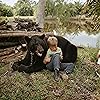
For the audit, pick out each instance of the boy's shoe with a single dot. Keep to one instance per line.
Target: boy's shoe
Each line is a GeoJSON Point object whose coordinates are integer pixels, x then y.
{"type": "Point", "coordinates": [63, 76]}
{"type": "Point", "coordinates": [56, 75]}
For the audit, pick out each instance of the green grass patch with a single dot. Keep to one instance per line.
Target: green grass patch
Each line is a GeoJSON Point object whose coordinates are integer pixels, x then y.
{"type": "Point", "coordinates": [82, 84]}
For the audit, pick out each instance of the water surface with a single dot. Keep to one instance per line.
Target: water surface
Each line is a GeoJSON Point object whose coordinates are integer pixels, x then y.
{"type": "Point", "coordinates": [84, 39]}
{"type": "Point", "coordinates": [81, 33]}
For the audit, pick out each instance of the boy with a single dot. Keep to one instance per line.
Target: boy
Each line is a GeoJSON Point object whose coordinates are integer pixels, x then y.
{"type": "Point", "coordinates": [53, 56]}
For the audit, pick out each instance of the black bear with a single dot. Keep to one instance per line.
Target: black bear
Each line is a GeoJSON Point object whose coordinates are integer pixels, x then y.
{"type": "Point", "coordinates": [37, 48]}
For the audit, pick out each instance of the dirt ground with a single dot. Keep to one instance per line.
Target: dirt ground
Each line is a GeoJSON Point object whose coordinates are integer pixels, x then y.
{"type": "Point", "coordinates": [82, 84]}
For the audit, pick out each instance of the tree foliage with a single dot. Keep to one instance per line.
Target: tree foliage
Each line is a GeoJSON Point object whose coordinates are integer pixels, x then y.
{"type": "Point", "coordinates": [50, 8]}
{"type": "Point", "coordinates": [62, 9]}
{"type": "Point", "coordinates": [24, 8]}
{"type": "Point", "coordinates": [5, 10]}
{"type": "Point", "coordinates": [91, 7]}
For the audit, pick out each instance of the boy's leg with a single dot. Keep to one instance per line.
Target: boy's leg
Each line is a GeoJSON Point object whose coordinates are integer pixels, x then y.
{"type": "Point", "coordinates": [56, 65]}
{"type": "Point", "coordinates": [56, 61]}
{"type": "Point", "coordinates": [50, 65]}
{"type": "Point", "coordinates": [67, 67]}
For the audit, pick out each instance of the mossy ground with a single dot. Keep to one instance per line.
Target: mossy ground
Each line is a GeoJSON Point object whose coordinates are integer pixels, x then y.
{"type": "Point", "coordinates": [82, 84]}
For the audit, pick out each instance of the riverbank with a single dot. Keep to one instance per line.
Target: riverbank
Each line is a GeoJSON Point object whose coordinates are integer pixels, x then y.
{"type": "Point", "coordinates": [82, 84]}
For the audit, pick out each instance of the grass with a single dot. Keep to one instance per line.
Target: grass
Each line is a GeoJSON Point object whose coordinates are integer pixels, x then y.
{"type": "Point", "coordinates": [82, 84]}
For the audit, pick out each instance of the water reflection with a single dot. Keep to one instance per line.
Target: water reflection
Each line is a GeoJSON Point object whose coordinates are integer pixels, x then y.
{"type": "Point", "coordinates": [83, 39]}
{"type": "Point", "coordinates": [73, 26]}
{"type": "Point", "coordinates": [85, 33]}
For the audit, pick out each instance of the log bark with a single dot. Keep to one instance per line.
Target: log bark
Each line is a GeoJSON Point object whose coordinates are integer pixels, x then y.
{"type": "Point", "coordinates": [12, 57]}
{"type": "Point", "coordinates": [8, 44]}
{"type": "Point", "coordinates": [7, 52]}
{"type": "Point", "coordinates": [22, 33]}
{"type": "Point", "coordinates": [7, 49]}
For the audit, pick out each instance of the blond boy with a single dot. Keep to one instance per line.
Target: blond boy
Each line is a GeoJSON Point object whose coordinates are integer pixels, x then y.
{"type": "Point", "coordinates": [53, 56]}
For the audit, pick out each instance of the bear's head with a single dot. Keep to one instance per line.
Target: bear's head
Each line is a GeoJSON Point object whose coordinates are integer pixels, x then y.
{"type": "Point", "coordinates": [37, 45]}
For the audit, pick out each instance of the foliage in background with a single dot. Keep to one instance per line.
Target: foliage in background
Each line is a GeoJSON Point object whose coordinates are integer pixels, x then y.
{"type": "Point", "coordinates": [58, 8]}
{"type": "Point", "coordinates": [24, 8]}
{"type": "Point", "coordinates": [61, 9]}
{"type": "Point", "coordinates": [91, 7]}
{"type": "Point", "coordinates": [55, 8]}
{"type": "Point", "coordinates": [5, 10]}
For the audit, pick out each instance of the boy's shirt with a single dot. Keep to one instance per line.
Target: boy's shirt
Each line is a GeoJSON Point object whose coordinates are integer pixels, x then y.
{"type": "Point", "coordinates": [58, 51]}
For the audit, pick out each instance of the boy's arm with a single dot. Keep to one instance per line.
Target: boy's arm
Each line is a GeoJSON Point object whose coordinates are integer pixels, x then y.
{"type": "Point", "coordinates": [47, 59]}
{"type": "Point", "coordinates": [61, 54]}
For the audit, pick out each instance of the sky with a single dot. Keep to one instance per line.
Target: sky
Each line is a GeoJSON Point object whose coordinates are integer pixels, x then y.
{"type": "Point", "coordinates": [11, 2]}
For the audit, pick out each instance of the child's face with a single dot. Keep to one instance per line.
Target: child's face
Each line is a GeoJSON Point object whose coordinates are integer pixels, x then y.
{"type": "Point", "coordinates": [53, 48]}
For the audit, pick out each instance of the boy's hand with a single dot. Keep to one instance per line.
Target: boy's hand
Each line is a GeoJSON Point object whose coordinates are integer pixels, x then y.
{"type": "Point", "coordinates": [61, 57]}
{"type": "Point", "coordinates": [46, 60]}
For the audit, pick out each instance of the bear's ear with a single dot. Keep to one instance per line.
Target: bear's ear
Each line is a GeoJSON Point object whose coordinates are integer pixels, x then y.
{"type": "Point", "coordinates": [42, 36]}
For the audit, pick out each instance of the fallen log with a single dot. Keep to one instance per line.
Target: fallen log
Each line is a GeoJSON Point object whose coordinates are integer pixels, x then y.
{"type": "Point", "coordinates": [7, 52]}
{"type": "Point", "coordinates": [12, 57]}
{"type": "Point", "coordinates": [11, 41]}
{"type": "Point", "coordinates": [7, 56]}
{"type": "Point", "coordinates": [2, 50]}
{"type": "Point", "coordinates": [2, 44]}
{"type": "Point", "coordinates": [15, 38]}
{"type": "Point", "coordinates": [3, 22]}
{"type": "Point", "coordinates": [23, 33]}
{"type": "Point", "coordinates": [20, 24]}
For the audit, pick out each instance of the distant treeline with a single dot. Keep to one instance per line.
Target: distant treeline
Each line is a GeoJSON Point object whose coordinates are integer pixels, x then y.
{"type": "Point", "coordinates": [57, 8]}
{"type": "Point", "coordinates": [54, 8]}
{"type": "Point", "coordinates": [21, 8]}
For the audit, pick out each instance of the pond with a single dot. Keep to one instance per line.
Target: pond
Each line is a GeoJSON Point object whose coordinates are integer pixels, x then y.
{"type": "Point", "coordinates": [81, 33]}
{"type": "Point", "coordinates": [83, 39]}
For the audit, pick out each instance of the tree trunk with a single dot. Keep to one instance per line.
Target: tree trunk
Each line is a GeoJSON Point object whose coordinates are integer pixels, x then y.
{"type": "Point", "coordinates": [41, 13]}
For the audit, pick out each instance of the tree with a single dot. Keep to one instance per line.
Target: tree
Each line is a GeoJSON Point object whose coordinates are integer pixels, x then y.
{"type": "Point", "coordinates": [62, 9]}
{"type": "Point", "coordinates": [0, 7]}
{"type": "Point", "coordinates": [5, 10]}
{"type": "Point", "coordinates": [41, 13]}
{"type": "Point", "coordinates": [91, 7]}
{"type": "Point", "coordinates": [24, 8]}
{"type": "Point", "coordinates": [50, 8]}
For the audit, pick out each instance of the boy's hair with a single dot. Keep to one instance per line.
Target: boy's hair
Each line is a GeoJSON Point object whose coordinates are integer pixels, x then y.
{"type": "Point", "coordinates": [52, 41]}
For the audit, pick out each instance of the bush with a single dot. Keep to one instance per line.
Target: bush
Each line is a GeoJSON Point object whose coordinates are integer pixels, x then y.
{"type": "Point", "coordinates": [25, 11]}
{"type": "Point", "coordinates": [24, 8]}
{"type": "Point", "coordinates": [5, 10]}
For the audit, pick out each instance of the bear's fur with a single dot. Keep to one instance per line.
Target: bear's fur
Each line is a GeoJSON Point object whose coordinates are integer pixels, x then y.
{"type": "Point", "coordinates": [37, 48]}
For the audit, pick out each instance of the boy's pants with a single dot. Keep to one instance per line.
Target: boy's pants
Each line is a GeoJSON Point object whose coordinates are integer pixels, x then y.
{"type": "Point", "coordinates": [55, 64]}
